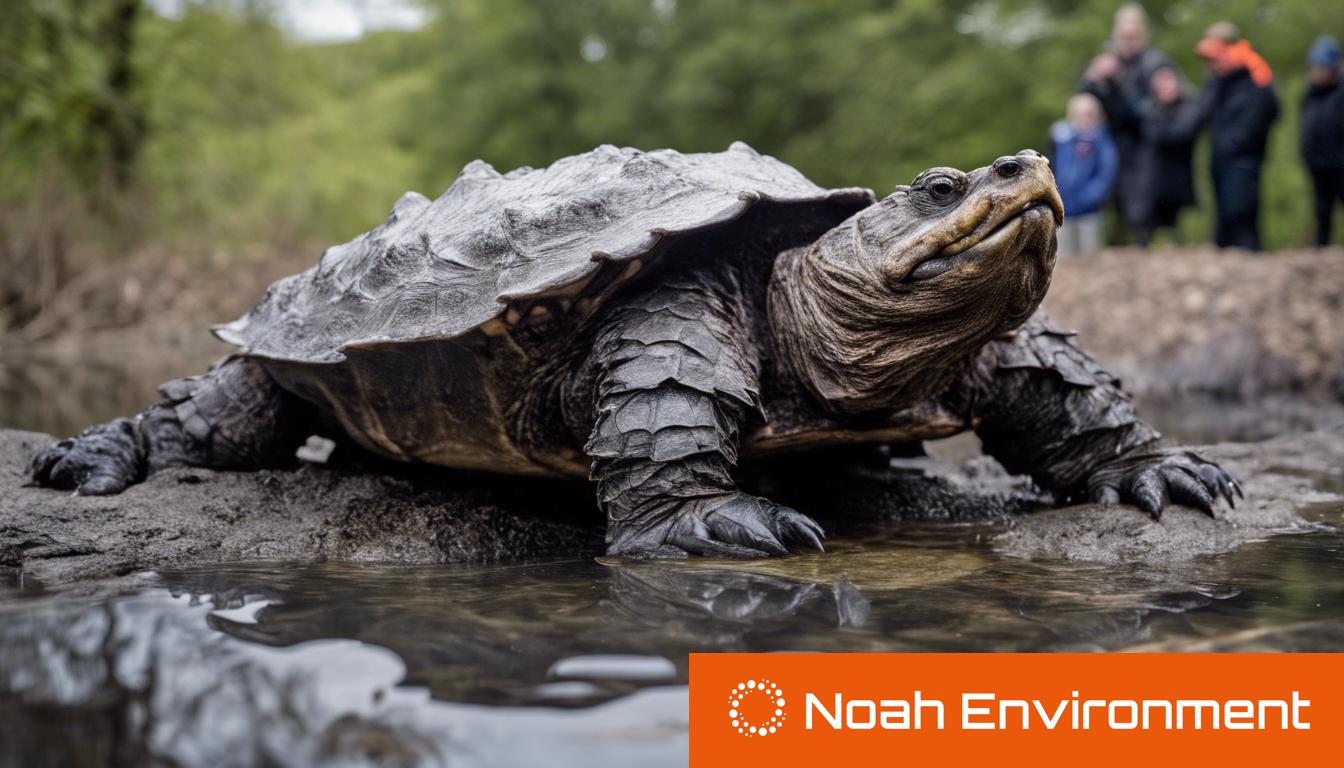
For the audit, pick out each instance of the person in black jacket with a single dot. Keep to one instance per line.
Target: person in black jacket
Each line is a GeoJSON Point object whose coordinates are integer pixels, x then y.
{"type": "Point", "coordinates": [1119, 77]}
{"type": "Point", "coordinates": [1172, 118]}
{"type": "Point", "coordinates": [1243, 107]}
{"type": "Point", "coordinates": [1323, 131]}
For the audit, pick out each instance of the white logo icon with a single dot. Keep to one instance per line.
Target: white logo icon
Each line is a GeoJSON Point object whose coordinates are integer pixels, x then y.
{"type": "Point", "coordinates": [756, 708]}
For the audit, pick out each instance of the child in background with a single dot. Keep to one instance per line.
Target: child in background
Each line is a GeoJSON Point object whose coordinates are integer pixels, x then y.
{"type": "Point", "coordinates": [1085, 163]}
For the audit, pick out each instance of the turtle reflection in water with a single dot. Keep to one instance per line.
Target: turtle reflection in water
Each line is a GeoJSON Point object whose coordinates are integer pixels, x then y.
{"type": "Point", "coordinates": [648, 321]}
{"type": "Point", "coordinates": [763, 590]}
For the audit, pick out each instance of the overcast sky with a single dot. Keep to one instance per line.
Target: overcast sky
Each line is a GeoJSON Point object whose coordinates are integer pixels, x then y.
{"type": "Point", "coordinates": [332, 20]}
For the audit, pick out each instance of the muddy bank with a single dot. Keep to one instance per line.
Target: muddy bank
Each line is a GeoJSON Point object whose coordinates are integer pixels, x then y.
{"type": "Point", "coordinates": [1199, 319]}
{"type": "Point", "coordinates": [192, 517]}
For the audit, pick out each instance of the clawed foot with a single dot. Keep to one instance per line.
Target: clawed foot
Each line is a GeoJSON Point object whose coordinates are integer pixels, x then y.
{"type": "Point", "coordinates": [734, 525]}
{"type": "Point", "coordinates": [100, 461]}
{"type": "Point", "coordinates": [1153, 480]}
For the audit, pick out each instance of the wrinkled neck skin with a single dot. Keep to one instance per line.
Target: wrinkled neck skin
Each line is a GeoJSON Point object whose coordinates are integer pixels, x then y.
{"type": "Point", "coordinates": [861, 341]}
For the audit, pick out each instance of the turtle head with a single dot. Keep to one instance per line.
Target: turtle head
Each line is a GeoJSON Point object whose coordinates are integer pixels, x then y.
{"type": "Point", "coordinates": [880, 311]}
{"type": "Point", "coordinates": [993, 224]}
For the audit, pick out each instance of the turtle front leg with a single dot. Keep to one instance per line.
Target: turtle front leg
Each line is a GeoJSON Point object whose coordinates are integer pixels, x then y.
{"type": "Point", "coordinates": [1048, 409]}
{"type": "Point", "coordinates": [676, 380]}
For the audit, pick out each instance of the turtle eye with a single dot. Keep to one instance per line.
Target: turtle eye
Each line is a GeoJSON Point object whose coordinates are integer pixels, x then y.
{"type": "Point", "coordinates": [939, 188]}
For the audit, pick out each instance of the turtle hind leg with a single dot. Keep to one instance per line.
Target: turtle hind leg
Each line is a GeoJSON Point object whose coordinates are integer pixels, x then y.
{"type": "Point", "coordinates": [102, 459]}
{"type": "Point", "coordinates": [234, 417]}
{"type": "Point", "coordinates": [675, 383]}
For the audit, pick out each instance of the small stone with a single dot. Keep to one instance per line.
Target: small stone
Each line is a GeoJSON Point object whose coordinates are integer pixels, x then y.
{"type": "Point", "coordinates": [316, 450]}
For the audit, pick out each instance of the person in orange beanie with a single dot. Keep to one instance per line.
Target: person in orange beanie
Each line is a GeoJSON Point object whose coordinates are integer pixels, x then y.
{"type": "Point", "coordinates": [1244, 107]}
{"type": "Point", "coordinates": [1226, 51]}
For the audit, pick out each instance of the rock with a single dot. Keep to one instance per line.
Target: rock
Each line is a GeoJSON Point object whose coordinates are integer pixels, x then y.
{"type": "Point", "coordinates": [183, 517]}
{"type": "Point", "coordinates": [1282, 477]}
{"type": "Point", "coordinates": [316, 450]}
{"type": "Point", "coordinates": [192, 516]}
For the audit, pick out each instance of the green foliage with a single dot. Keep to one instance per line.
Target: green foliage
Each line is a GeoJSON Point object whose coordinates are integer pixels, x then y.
{"type": "Point", "coordinates": [257, 138]}
{"type": "Point", "coordinates": [67, 93]}
{"type": "Point", "coordinates": [249, 135]}
{"type": "Point", "coordinates": [850, 92]}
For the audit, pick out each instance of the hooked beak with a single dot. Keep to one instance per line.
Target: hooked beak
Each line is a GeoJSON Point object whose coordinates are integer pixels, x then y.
{"type": "Point", "coordinates": [1030, 204]}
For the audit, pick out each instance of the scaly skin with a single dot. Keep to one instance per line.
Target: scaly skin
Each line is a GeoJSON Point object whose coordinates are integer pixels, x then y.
{"type": "Point", "coordinates": [678, 370]}
{"type": "Point", "coordinates": [926, 295]}
{"type": "Point", "coordinates": [1047, 409]}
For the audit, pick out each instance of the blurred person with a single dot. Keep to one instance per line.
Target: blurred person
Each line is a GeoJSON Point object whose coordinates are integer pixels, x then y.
{"type": "Point", "coordinates": [1172, 118]}
{"type": "Point", "coordinates": [1086, 162]}
{"type": "Point", "coordinates": [1323, 131]}
{"type": "Point", "coordinates": [1119, 78]}
{"type": "Point", "coordinates": [1242, 106]}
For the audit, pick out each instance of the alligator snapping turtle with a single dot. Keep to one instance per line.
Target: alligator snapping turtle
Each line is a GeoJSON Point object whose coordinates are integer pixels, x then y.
{"type": "Point", "coordinates": [647, 319]}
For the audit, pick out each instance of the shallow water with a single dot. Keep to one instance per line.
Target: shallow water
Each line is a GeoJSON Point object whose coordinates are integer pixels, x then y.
{"type": "Point", "coordinates": [578, 662]}
{"type": "Point", "coordinates": [582, 662]}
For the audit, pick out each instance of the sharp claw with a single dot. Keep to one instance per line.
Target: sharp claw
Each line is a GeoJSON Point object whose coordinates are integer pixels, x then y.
{"type": "Point", "coordinates": [801, 527]}
{"type": "Point", "coordinates": [815, 541]}
{"type": "Point", "coordinates": [747, 522]}
{"type": "Point", "coordinates": [743, 534]}
{"type": "Point", "coordinates": [1228, 488]}
{"type": "Point", "coordinates": [741, 526]}
{"type": "Point", "coordinates": [806, 534]}
{"type": "Point", "coordinates": [1209, 476]}
{"type": "Point", "coordinates": [1149, 493]}
{"type": "Point", "coordinates": [813, 526]}
{"type": "Point", "coordinates": [1187, 488]}
{"type": "Point", "coordinates": [1220, 483]}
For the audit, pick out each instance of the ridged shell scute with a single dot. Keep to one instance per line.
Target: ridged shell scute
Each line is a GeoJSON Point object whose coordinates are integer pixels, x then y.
{"type": "Point", "coordinates": [440, 269]}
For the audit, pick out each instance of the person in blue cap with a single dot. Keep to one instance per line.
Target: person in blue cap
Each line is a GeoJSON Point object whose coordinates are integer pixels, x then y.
{"type": "Point", "coordinates": [1323, 131]}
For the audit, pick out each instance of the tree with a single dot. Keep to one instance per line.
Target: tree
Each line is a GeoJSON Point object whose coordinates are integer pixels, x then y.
{"type": "Point", "coordinates": [68, 93]}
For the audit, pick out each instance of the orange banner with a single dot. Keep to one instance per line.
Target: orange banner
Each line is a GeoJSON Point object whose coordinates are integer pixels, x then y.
{"type": "Point", "coordinates": [1015, 709]}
